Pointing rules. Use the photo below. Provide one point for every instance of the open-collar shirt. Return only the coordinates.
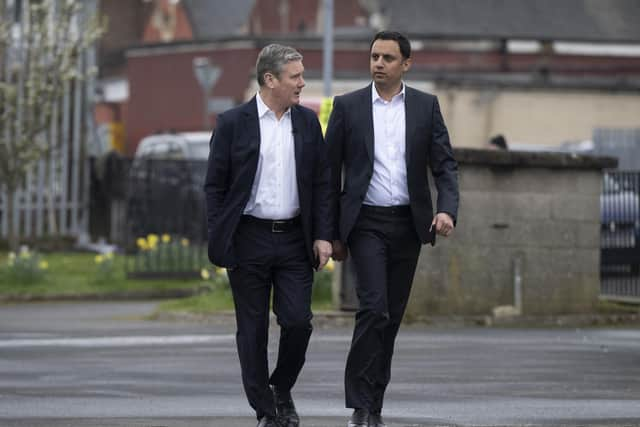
(388, 185)
(274, 194)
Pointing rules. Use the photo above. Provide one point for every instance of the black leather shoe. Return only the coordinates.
(375, 420)
(268, 421)
(359, 418)
(285, 408)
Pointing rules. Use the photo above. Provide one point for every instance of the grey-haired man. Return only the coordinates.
(268, 213)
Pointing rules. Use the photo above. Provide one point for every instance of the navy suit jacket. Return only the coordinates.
(233, 161)
(350, 138)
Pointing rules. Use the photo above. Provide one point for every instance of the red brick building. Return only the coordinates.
(151, 47)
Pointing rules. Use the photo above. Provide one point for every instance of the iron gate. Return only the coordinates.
(620, 236)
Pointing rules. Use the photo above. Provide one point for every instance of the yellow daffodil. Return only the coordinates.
(142, 243)
(221, 270)
(43, 265)
(99, 259)
(166, 238)
(108, 255)
(184, 242)
(330, 265)
(152, 240)
(204, 273)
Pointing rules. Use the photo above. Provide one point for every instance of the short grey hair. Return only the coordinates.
(272, 58)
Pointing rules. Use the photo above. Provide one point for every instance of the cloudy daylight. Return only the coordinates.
(319, 213)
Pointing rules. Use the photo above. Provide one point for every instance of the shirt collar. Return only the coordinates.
(264, 109)
(375, 96)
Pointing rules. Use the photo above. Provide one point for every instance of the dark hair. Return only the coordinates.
(403, 42)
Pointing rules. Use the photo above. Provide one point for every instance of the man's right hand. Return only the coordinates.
(340, 251)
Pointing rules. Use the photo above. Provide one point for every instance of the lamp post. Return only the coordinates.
(327, 52)
(207, 75)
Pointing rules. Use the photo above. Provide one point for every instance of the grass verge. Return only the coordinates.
(70, 274)
(75, 274)
(220, 299)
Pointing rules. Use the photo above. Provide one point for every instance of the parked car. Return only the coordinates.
(175, 146)
(165, 185)
(620, 218)
(620, 213)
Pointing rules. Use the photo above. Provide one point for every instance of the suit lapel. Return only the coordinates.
(409, 123)
(367, 121)
(296, 127)
(252, 123)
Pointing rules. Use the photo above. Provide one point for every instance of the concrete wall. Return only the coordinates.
(540, 211)
(525, 116)
(534, 116)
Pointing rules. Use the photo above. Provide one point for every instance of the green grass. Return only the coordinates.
(220, 298)
(77, 274)
(72, 274)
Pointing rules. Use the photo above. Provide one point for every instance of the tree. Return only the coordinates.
(39, 56)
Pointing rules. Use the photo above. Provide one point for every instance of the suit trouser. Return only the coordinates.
(267, 260)
(384, 247)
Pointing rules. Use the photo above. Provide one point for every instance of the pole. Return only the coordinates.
(327, 54)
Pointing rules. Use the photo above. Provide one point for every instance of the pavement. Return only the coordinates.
(102, 364)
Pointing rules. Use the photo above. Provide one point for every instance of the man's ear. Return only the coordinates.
(268, 80)
(406, 64)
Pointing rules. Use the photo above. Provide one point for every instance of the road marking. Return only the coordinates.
(129, 341)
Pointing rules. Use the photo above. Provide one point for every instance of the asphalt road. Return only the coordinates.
(98, 364)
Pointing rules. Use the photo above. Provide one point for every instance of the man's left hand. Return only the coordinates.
(322, 252)
(443, 224)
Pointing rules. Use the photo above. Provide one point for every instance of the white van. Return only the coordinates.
(175, 146)
(165, 187)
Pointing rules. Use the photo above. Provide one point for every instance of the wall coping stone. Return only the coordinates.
(553, 160)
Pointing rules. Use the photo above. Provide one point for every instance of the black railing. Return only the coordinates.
(165, 199)
(155, 210)
(620, 235)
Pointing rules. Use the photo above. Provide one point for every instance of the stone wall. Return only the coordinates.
(533, 218)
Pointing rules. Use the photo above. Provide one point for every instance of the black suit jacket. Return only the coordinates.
(350, 137)
(233, 161)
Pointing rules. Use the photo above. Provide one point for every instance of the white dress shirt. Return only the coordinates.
(274, 194)
(388, 185)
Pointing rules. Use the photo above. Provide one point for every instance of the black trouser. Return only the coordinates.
(266, 259)
(384, 247)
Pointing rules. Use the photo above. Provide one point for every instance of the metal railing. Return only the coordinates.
(620, 236)
(155, 210)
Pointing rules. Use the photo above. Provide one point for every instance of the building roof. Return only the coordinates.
(212, 19)
(572, 20)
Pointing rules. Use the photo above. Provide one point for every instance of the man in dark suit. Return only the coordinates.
(268, 205)
(381, 141)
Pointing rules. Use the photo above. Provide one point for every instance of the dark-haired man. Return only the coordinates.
(381, 141)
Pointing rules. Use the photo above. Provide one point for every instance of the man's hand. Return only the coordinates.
(340, 251)
(443, 224)
(322, 252)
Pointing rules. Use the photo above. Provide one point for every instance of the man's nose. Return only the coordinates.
(302, 83)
